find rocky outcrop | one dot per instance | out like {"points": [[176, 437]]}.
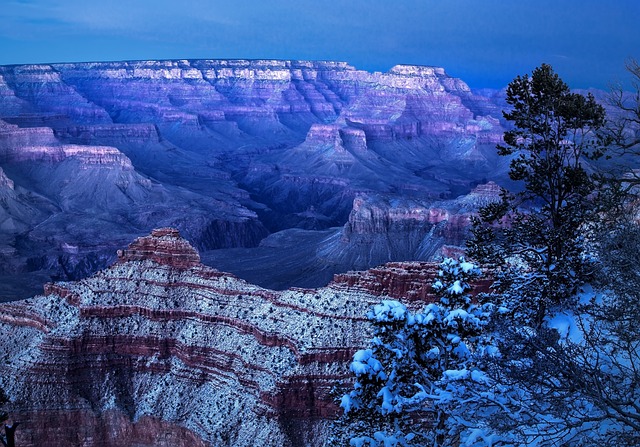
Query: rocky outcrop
{"points": [[388, 228], [403, 280], [6, 182], [13, 137], [110, 134], [164, 246], [482, 195], [152, 348], [43, 91], [87, 155], [406, 281], [159, 349], [110, 428]]}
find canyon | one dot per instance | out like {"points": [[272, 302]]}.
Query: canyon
{"points": [[270, 203], [282, 172]]}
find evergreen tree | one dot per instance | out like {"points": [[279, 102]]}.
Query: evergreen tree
{"points": [[566, 373], [535, 238], [410, 381]]}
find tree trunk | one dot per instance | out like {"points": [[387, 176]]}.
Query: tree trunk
{"points": [[10, 431]]}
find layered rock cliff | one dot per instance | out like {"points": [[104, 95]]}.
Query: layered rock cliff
{"points": [[160, 350], [228, 151], [379, 229]]}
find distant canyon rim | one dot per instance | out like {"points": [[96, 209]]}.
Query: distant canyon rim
{"points": [[282, 172]]}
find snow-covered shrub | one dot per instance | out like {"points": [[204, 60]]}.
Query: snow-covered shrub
{"points": [[410, 382], [574, 380]]}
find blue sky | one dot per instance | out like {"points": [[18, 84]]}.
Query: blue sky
{"points": [[486, 43]]}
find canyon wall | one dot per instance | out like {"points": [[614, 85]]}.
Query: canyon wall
{"points": [[228, 151], [161, 350]]}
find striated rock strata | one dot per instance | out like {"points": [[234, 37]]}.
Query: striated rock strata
{"points": [[160, 350], [164, 246], [379, 229], [406, 281], [382, 229], [228, 151]]}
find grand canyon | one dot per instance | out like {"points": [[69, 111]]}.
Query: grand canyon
{"points": [[188, 248]]}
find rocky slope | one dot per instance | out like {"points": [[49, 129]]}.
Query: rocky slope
{"points": [[161, 350], [379, 229], [228, 151]]}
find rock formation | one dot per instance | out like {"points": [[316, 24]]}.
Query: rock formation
{"points": [[379, 229], [164, 246], [160, 350], [228, 151]]}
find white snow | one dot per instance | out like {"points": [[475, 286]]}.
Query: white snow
{"points": [[389, 310], [566, 325], [456, 288], [365, 363], [387, 405], [467, 267], [456, 374]]}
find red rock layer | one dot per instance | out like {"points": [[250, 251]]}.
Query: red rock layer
{"points": [[409, 281], [81, 428], [164, 246]]}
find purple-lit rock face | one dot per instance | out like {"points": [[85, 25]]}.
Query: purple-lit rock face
{"points": [[227, 151], [287, 171], [380, 228], [160, 350]]}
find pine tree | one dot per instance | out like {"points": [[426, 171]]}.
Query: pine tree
{"points": [[566, 373], [535, 238]]}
